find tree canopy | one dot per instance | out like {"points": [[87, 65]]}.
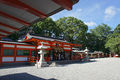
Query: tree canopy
{"points": [[113, 43], [97, 38], [72, 29], [101, 31], [46, 27]]}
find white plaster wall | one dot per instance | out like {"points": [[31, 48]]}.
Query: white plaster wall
{"points": [[45, 47], [67, 45], [29, 47], [67, 48], [7, 59], [21, 58], [45, 42], [5, 45]]}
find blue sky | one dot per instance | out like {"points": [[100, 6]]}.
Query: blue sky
{"points": [[94, 12]]}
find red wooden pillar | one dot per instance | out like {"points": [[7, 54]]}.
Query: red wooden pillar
{"points": [[36, 52], [1, 53], [51, 44], [0, 38], [15, 53], [71, 53], [30, 55]]}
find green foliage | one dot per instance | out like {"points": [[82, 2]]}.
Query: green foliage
{"points": [[117, 29], [46, 27], [113, 42], [91, 42], [101, 31], [100, 34], [72, 29], [15, 36]]}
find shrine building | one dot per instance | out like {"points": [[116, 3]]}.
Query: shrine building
{"points": [[27, 50]]}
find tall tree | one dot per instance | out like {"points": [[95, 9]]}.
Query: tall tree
{"points": [[101, 32], [46, 27], [113, 42], [72, 29], [91, 42]]}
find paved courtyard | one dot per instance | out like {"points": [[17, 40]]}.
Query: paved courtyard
{"points": [[100, 69]]}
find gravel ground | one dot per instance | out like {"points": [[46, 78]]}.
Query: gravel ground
{"points": [[100, 69]]}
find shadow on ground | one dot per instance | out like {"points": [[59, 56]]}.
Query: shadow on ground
{"points": [[22, 76], [14, 65]]}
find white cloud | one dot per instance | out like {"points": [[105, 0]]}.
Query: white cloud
{"points": [[110, 12], [91, 23]]}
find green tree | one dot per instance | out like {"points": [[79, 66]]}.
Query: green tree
{"points": [[72, 29], [117, 29], [46, 27], [15, 36], [101, 32], [113, 43], [91, 42]]}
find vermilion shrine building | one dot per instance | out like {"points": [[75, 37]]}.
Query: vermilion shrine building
{"points": [[26, 50]]}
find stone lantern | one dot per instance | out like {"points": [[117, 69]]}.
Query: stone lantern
{"points": [[42, 51], [86, 52]]}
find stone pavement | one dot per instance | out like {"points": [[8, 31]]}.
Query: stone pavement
{"points": [[100, 69]]}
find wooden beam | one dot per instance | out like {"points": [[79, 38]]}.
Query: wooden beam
{"points": [[2, 35], [23, 6], [3, 31], [67, 4], [14, 18], [76, 45], [8, 26]]}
